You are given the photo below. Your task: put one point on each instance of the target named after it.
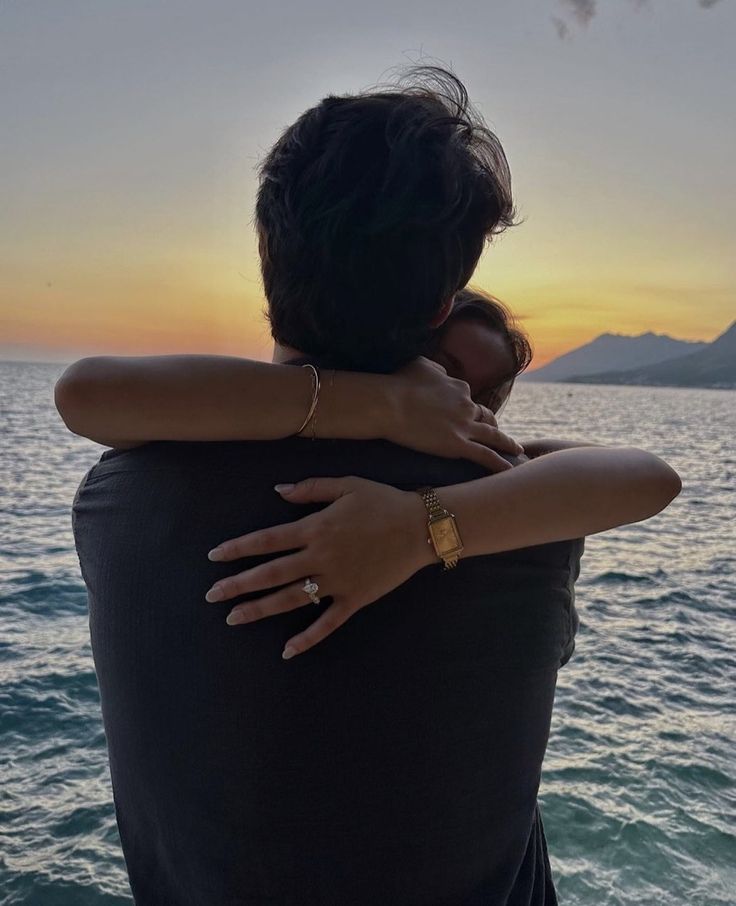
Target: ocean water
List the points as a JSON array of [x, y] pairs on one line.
[[638, 792]]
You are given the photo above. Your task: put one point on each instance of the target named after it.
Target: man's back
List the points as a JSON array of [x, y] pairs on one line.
[[396, 762]]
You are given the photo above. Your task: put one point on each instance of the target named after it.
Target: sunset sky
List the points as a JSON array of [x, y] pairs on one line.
[[130, 133]]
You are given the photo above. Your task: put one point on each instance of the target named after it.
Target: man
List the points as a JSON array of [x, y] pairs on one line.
[[398, 762]]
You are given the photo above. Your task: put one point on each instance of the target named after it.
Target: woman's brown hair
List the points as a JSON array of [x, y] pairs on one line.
[[476, 305]]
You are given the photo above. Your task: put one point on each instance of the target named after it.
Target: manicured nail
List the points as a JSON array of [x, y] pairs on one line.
[[283, 488], [214, 594], [215, 553], [234, 617], [288, 652]]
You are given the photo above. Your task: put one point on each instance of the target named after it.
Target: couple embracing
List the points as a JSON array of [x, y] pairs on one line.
[[328, 597]]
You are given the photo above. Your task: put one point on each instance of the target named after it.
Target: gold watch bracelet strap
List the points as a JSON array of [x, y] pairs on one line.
[[437, 512], [431, 501]]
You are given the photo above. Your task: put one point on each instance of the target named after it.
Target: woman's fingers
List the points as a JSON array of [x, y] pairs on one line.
[[318, 490], [493, 437], [335, 615], [286, 537], [276, 572], [485, 457], [283, 601], [486, 416], [279, 602], [290, 535]]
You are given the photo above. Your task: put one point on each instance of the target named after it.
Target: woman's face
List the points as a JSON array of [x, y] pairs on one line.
[[478, 354]]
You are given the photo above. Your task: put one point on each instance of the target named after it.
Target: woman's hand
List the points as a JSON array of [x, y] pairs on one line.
[[435, 414], [372, 538]]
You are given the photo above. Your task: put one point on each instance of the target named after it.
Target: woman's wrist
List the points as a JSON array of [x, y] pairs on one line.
[[386, 405], [382, 405], [420, 550], [356, 405]]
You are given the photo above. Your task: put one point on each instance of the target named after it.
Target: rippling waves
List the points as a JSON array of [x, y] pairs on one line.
[[638, 791]]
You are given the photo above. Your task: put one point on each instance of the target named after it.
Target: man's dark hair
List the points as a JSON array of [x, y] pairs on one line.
[[372, 211]]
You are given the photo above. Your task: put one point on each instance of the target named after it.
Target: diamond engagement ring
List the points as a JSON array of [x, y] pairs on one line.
[[311, 588]]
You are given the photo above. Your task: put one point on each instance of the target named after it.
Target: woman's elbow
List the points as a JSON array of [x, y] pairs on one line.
[[665, 484], [72, 392], [673, 483]]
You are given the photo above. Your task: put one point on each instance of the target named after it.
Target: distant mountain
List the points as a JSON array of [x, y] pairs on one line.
[[612, 351], [713, 366]]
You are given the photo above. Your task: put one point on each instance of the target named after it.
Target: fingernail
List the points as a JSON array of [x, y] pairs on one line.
[[215, 553], [288, 652], [283, 488], [214, 594], [519, 448], [234, 617]]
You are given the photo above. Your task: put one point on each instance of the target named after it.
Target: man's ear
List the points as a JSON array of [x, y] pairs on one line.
[[443, 314], [262, 243]]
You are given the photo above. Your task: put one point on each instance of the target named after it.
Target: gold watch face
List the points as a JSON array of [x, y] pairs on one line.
[[444, 535]]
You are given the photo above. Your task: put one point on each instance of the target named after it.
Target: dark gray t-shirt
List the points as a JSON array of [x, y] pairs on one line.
[[397, 762]]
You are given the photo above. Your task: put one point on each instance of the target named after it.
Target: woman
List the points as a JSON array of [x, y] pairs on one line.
[[124, 402], [575, 490]]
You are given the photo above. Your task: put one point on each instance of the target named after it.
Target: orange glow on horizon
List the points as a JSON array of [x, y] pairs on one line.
[[132, 170], [214, 304], [233, 323]]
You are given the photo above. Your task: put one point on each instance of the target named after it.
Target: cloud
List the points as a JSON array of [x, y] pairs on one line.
[[561, 27], [582, 10]]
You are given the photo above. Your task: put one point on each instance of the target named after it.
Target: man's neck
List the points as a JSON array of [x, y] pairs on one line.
[[283, 354]]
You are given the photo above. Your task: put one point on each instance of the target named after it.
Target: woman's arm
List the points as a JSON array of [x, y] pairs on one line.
[[373, 537], [127, 401], [135, 399], [543, 446], [563, 495]]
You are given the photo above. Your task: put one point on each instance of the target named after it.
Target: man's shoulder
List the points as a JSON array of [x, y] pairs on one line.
[[293, 458]]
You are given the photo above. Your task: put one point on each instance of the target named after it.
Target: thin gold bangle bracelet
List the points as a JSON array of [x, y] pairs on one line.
[[315, 396], [316, 411]]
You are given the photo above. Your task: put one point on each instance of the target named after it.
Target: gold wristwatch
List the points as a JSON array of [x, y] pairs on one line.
[[443, 532]]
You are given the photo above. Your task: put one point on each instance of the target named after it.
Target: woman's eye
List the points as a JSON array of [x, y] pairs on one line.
[[493, 400], [449, 366], [442, 360]]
